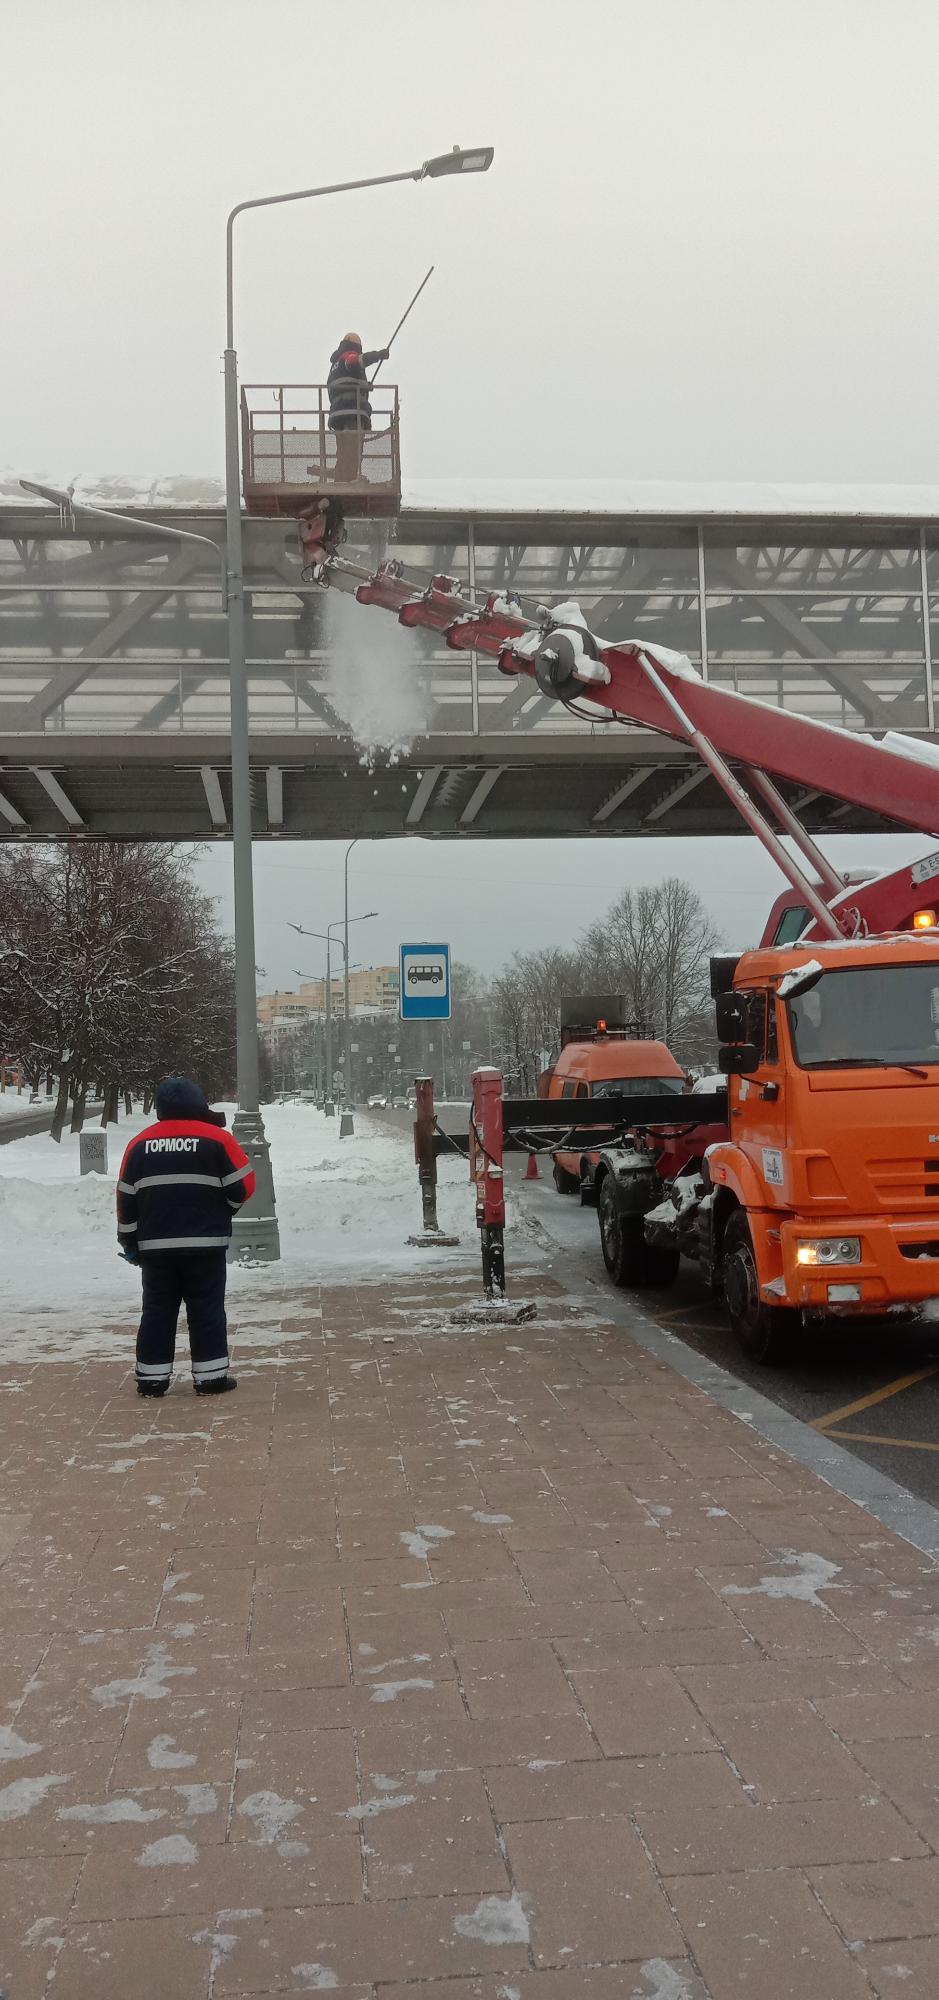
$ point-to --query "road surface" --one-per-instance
(874, 1389)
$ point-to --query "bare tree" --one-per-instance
(111, 972)
(654, 947)
(529, 992)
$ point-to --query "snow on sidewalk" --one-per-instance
(345, 1207)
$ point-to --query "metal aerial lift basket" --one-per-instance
(289, 454)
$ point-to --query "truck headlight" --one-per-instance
(829, 1250)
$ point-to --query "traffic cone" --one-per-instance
(531, 1171)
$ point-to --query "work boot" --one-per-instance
(218, 1386)
(152, 1388)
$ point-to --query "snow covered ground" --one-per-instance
(345, 1206)
(11, 1105)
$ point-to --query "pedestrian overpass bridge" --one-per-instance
(113, 680)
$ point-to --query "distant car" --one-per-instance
(377, 1103)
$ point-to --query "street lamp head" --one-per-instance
(461, 160)
(58, 496)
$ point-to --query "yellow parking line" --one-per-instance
(876, 1396)
(901, 1444)
(681, 1312)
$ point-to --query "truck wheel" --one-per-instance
(564, 1182)
(766, 1333)
(631, 1262)
(621, 1238)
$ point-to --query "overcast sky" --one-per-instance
(706, 251)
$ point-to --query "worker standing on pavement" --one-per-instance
(180, 1182)
(350, 412)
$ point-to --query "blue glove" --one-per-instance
(129, 1256)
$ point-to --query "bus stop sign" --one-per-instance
(424, 985)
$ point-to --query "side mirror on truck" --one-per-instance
(730, 1013)
(741, 1059)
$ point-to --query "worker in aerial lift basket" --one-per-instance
(180, 1182)
(350, 412)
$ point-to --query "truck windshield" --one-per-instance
(868, 1017)
(638, 1086)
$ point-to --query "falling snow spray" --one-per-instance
(375, 679)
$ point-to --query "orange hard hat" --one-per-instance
(351, 340)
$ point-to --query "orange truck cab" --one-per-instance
(825, 1194)
(604, 1055)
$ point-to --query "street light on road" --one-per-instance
(249, 1126)
(343, 943)
(346, 1036)
(63, 498)
(320, 981)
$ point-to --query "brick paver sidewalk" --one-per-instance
(452, 1666)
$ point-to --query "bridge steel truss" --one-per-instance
(114, 695)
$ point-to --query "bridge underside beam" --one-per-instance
(125, 787)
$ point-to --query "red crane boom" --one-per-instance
(660, 690)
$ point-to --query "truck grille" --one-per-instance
(901, 1181)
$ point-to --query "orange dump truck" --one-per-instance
(603, 1055)
(823, 1198)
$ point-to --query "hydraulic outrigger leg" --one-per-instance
(493, 1245)
(485, 1149)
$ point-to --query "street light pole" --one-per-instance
(328, 1105)
(258, 1231)
(343, 942)
(348, 1039)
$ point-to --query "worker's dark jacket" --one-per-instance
(180, 1183)
(347, 384)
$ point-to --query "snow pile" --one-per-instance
(919, 748)
(801, 975)
(347, 1205)
(759, 498)
(808, 1575)
(374, 678)
(674, 663)
(345, 1209)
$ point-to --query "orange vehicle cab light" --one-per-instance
(601, 1025)
(925, 920)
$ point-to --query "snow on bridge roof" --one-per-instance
(614, 497)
